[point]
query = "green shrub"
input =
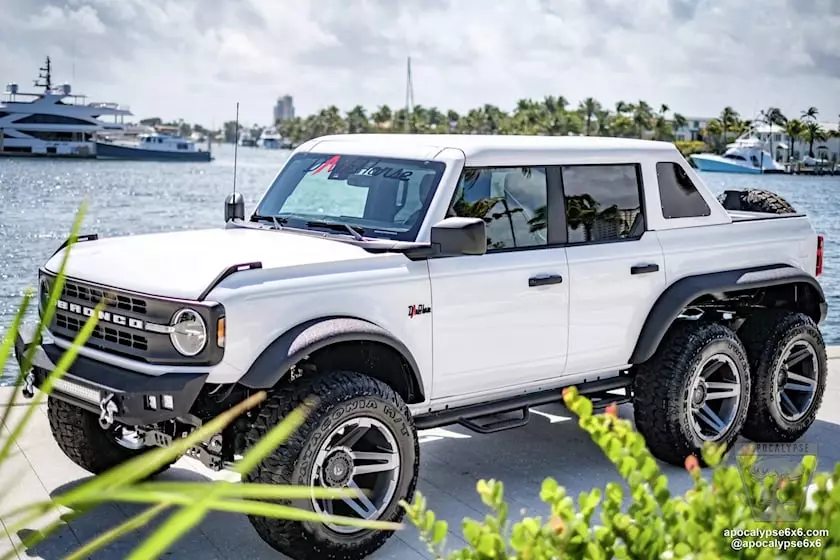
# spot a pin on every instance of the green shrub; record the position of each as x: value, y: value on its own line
x: 653, y: 523
x: 128, y: 483
x: 692, y: 147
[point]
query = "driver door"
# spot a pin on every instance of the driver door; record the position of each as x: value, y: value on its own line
x: 501, y: 319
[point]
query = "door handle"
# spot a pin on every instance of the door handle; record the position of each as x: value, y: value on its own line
x: 644, y: 268
x: 544, y: 280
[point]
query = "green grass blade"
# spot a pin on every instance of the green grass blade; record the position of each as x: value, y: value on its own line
x: 6, y: 351
x: 277, y: 435
x: 177, y: 525
x: 267, y: 509
x: 63, y: 364
x: 253, y: 490
x: 170, y: 492
x: 132, y: 524
x: 55, y: 291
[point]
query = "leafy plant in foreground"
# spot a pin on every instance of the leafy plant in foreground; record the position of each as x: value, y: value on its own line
x: 128, y: 482
x: 652, y: 523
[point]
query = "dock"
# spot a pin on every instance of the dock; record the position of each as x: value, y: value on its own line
x: 829, y: 169
x: 452, y: 460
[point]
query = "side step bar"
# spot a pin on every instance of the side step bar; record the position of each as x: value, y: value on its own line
x: 468, y: 416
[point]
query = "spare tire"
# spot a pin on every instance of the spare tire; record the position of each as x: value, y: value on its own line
x: 755, y: 200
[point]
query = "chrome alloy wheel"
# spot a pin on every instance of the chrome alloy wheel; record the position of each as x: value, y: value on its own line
x: 796, y: 380
x: 714, y: 397
x: 361, y: 454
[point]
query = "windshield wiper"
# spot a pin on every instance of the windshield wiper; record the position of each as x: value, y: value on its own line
x: 278, y: 222
x: 355, y: 231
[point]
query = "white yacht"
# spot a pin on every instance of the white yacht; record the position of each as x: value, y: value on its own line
x: 749, y: 153
x: 55, y: 122
x: 270, y: 140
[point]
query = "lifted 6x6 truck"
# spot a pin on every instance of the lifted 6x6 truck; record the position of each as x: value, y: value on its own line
x: 415, y: 281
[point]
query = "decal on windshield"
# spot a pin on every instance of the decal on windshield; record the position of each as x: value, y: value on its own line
x: 329, y: 165
x: 340, y: 169
x: 389, y: 173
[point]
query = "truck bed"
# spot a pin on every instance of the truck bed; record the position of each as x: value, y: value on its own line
x: 741, y: 216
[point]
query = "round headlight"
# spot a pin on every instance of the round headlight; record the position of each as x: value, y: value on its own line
x: 44, y: 292
x: 189, y: 334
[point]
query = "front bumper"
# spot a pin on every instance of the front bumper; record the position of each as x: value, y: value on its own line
x: 140, y: 399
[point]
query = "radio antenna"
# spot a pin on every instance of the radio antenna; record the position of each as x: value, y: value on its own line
x: 235, y: 146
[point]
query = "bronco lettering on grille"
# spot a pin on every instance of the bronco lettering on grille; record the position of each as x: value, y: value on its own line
x: 108, y: 317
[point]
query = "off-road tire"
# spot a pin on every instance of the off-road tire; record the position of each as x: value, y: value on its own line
x: 340, y: 396
x: 766, y: 335
x: 79, y: 435
x: 759, y: 200
x: 661, y: 386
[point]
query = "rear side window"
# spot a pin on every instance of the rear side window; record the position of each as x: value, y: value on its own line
x: 678, y: 195
x: 603, y: 203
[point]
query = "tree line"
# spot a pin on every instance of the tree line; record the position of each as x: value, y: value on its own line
x: 553, y: 115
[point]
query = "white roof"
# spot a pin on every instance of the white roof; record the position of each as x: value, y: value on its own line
x: 489, y: 147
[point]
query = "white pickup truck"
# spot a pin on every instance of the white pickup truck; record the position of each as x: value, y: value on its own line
x: 415, y: 281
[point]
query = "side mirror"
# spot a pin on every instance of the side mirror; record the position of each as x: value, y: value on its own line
x: 234, y: 207
x: 459, y: 236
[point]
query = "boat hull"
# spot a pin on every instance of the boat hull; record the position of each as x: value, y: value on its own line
x: 720, y: 165
x: 105, y: 150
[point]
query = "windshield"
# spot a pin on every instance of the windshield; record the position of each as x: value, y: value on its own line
x: 378, y: 197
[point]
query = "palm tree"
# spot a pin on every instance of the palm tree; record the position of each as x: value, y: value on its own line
x: 728, y: 118
x: 587, y: 109
x: 774, y: 116
x: 677, y: 122
x: 357, y: 120
x: 662, y: 129
x: 713, y: 132
x: 810, y: 114
x: 642, y: 117
x: 814, y: 133
x: 794, y: 129
x: 382, y: 116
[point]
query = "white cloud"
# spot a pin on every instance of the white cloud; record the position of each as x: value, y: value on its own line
x: 195, y: 58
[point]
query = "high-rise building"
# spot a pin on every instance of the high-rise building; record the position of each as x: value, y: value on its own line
x: 284, y: 109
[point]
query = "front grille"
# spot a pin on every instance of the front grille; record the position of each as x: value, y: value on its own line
x: 130, y: 324
x: 93, y: 296
x: 108, y: 334
x: 78, y: 299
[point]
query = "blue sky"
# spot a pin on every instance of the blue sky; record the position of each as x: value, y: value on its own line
x: 196, y: 58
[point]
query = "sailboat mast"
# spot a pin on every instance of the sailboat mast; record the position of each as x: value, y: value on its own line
x: 409, y: 96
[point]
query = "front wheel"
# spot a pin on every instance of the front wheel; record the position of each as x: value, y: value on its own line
x: 360, y: 435
x: 695, y: 389
x: 79, y: 435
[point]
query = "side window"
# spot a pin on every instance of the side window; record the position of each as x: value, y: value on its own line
x: 602, y: 203
x: 511, y: 200
x: 678, y: 195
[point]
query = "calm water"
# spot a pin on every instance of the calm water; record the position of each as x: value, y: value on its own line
x: 39, y: 199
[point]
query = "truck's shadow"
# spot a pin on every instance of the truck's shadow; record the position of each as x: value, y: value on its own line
x: 452, y: 460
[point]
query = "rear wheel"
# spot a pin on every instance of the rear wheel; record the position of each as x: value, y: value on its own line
x: 695, y: 389
x: 789, y: 368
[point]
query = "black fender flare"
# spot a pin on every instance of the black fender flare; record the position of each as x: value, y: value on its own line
x: 685, y: 290
x: 304, y: 339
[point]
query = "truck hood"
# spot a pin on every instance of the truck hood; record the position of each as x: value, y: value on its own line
x: 182, y: 264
